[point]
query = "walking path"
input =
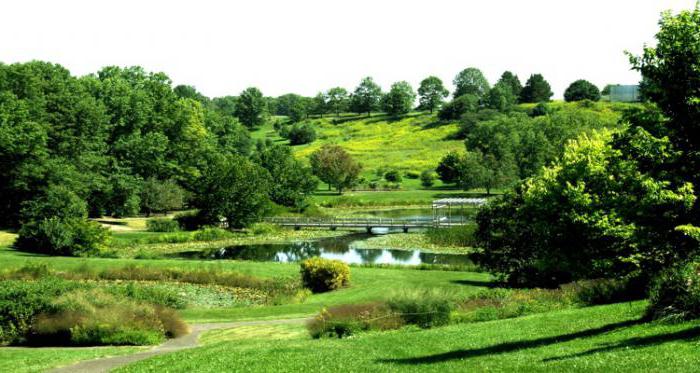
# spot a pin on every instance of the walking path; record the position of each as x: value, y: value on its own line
x: 188, y: 341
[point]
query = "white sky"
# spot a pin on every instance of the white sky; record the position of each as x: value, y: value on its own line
x: 304, y: 46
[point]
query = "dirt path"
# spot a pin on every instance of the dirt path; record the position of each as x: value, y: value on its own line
x: 172, y: 345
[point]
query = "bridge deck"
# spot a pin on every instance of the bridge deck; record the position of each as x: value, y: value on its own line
x: 360, y: 223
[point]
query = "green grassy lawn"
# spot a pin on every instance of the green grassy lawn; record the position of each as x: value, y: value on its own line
x: 26, y: 360
x: 604, y: 338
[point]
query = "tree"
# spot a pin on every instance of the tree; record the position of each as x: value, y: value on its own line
x: 319, y: 104
x: 448, y: 168
x: 334, y: 166
x: 366, y: 97
x: 399, y: 100
x: 477, y: 170
x: 301, y: 134
x: 393, y: 176
x: 581, y: 90
x: 536, y: 90
x: 501, y: 97
x: 511, y: 80
x: 337, y: 100
x: 251, y: 108
x: 470, y: 81
x: 432, y: 93
x: 427, y: 178
x: 293, y: 182
x: 293, y: 106
x: 232, y: 188
x: 161, y: 196
x: 461, y: 105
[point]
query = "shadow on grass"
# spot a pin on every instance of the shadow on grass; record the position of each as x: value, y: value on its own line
x: 637, y: 342
x: 507, y: 347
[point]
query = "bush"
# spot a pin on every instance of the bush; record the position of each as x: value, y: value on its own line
x: 162, y: 225
x: 212, y: 234
x: 55, y: 236
x: 321, y: 275
x: 393, y: 176
x: 425, y: 309
x: 461, y: 236
x: 301, y: 134
x: 347, y: 320
x: 675, y: 294
x: 412, y: 175
x: 427, y: 178
x: 95, y: 317
x: 606, y: 291
x: 189, y: 221
x: 263, y: 228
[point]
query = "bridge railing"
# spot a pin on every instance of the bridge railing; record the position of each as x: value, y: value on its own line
x: 336, y: 221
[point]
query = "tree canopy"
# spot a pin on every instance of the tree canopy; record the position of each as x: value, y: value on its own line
x: 470, y: 81
x: 399, y: 100
x: 536, y: 89
x: 432, y: 93
x: 581, y: 90
x: 366, y: 97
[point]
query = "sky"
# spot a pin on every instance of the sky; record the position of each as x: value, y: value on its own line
x: 307, y: 46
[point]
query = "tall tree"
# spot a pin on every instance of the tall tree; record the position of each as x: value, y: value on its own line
x: 337, y: 100
x: 319, y: 104
x: 470, y: 81
x: 399, y: 100
x: 294, y: 182
x: 251, y: 108
x: 512, y: 80
x: 536, y: 90
x: 334, y: 166
x: 432, y: 93
x: 366, y: 97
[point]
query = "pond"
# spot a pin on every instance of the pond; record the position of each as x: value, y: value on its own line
x: 340, y: 248
x: 457, y: 214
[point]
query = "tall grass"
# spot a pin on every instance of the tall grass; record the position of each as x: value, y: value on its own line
x: 461, y: 236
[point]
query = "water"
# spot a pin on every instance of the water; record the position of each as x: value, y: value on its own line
x: 424, y: 214
x: 340, y: 248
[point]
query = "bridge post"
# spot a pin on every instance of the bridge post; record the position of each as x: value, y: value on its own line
x: 369, y: 229
x: 405, y: 229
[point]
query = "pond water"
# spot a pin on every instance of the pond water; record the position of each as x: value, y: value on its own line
x: 340, y: 248
x: 457, y: 214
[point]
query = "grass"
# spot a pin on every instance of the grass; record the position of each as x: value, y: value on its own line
x: 603, y: 338
x: 26, y: 360
x: 245, y: 332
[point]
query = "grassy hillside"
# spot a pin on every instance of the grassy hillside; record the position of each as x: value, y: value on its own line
x: 605, y: 338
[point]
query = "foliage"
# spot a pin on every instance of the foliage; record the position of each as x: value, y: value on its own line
x: 462, y: 236
x: 393, y: 176
x: 232, y: 188
x: 399, y: 100
x: 321, y: 275
x: 293, y: 106
x: 675, y: 294
x: 162, y: 225
x: 67, y: 237
x: 455, y: 109
x: 347, y: 320
x: 251, y: 108
x: 426, y: 309
x: 470, y: 81
x: 536, y: 89
x: 366, y: 97
x: 189, y: 220
x: 211, y: 234
x: 161, y: 196
x: 432, y: 93
x: 448, y: 168
x: 581, y: 90
x: 293, y: 182
x: 301, y: 134
x: 427, y: 178
x: 334, y: 166
x: 337, y: 100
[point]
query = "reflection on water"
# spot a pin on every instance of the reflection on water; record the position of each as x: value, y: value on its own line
x: 340, y: 248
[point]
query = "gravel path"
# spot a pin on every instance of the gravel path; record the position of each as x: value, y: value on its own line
x: 172, y: 345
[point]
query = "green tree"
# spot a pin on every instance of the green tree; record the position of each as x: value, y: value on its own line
x: 471, y: 81
x: 232, y: 188
x: 461, y: 105
x: 367, y: 97
x: 399, y: 100
x: 501, y: 97
x: 536, y: 90
x: 448, y: 168
x: 251, y: 108
x: 432, y: 93
x: 319, y: 104
x: 292, y: 106
x: 581, y: 90
x: 293, y: 182
x: 512, y: 81
x: 161, y: 196
x: 337, y: 100
x: 334, y: 166
x: 300, y: 134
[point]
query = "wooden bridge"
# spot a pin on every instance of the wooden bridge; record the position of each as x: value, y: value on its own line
x: 366, y: 223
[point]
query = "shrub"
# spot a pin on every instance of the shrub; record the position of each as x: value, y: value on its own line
x: 212, y: 234
x: 393, y: 176
x: 55, y: 236
x: 162, y: 225
x: 347, y: 320
x: 675, y: 294
x: 263, y: 228
x: 606, y: 291
x: 427, y: 178
x: 412, y: 174
x: 425, y: 309
x: 301, y: 134
x: 95, y: 317
x: 189, y: 221
x: 321, y: 275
